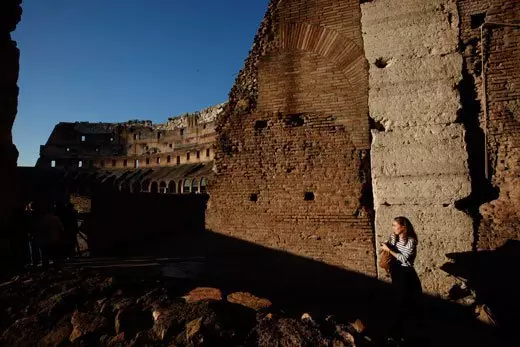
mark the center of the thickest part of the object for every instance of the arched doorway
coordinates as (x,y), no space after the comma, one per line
(154,187)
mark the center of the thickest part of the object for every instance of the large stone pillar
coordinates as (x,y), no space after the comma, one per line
(10,13)
(419,157)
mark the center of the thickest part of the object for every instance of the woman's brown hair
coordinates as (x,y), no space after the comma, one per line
(410,231)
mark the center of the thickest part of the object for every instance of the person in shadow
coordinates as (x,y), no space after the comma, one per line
(48,234)
(402,247)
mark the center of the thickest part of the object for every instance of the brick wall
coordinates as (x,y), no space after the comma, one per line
(292,155)
(501,216)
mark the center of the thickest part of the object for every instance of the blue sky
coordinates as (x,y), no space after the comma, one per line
(115,60)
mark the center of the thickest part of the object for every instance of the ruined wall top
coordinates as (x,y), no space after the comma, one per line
(207,115)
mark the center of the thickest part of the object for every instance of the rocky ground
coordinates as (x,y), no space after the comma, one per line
(84,307)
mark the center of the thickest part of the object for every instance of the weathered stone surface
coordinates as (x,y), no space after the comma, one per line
(85,323)
(420,151)
(409,27)
(193,332)
(440,230)
(203,293)
(431,189)
(249,300)
(420,162)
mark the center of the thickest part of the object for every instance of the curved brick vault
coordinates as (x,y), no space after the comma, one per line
(328,43)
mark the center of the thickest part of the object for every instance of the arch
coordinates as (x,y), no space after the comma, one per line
(186,189)
(203,185)
(345,53)
(136,187)
(124,187)
(163,188)
(179,187)
(172,187)
(154,187)
(145,185)
(195,186)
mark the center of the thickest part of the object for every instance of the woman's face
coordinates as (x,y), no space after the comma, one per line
(398,228)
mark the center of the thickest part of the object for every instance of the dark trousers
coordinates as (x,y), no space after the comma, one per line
(407,300)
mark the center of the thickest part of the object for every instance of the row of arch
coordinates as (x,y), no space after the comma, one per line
(183,186)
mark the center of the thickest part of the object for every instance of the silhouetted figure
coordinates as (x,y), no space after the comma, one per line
(69,218)
(19,236)
(48,233)
(402,246)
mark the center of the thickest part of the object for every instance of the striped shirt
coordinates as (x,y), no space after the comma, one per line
(406,250)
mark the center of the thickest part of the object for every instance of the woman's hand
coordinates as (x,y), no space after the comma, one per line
(384,247)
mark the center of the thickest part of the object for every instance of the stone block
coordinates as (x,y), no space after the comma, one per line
(410,92)
(433,189)
(394,28)
(419,151)
(431,102)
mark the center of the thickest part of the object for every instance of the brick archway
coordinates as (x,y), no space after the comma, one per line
(327,43)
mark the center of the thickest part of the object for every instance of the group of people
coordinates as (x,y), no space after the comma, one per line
(51,232)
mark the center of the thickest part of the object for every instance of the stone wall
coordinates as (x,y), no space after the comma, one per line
(292,164)
(419,161)
(10,13)
(498,105)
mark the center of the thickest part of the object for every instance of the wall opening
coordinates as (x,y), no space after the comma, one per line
(198,154)
(207,152)
(260,124)
(308,196)
(381,62)
(80,163)
(179,187)
(136,163)
(477,20)
(178,160)
(188,156)
(113,163)
(136,187)
(158,160)
(154,188)
(187,186)
(125,163)
(162,188)
(294,120)
(147,161)
(83,138)
(169,159)
(53,163)
(195,186)
(253,197)
(203,185)
(172,187)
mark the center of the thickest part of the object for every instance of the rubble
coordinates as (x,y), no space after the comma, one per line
(76,307)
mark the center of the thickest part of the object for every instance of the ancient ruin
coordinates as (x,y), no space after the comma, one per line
(346,114)
(174,157)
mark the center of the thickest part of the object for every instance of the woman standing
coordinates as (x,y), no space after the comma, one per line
(402,246)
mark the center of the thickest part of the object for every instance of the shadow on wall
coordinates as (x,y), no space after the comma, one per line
(494,276)
(173,225)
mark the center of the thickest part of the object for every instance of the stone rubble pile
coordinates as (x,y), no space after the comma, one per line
(83,308)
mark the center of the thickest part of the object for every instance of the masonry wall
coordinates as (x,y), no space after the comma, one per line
(10,13)
(498,107)
(419,156)
(292,161)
